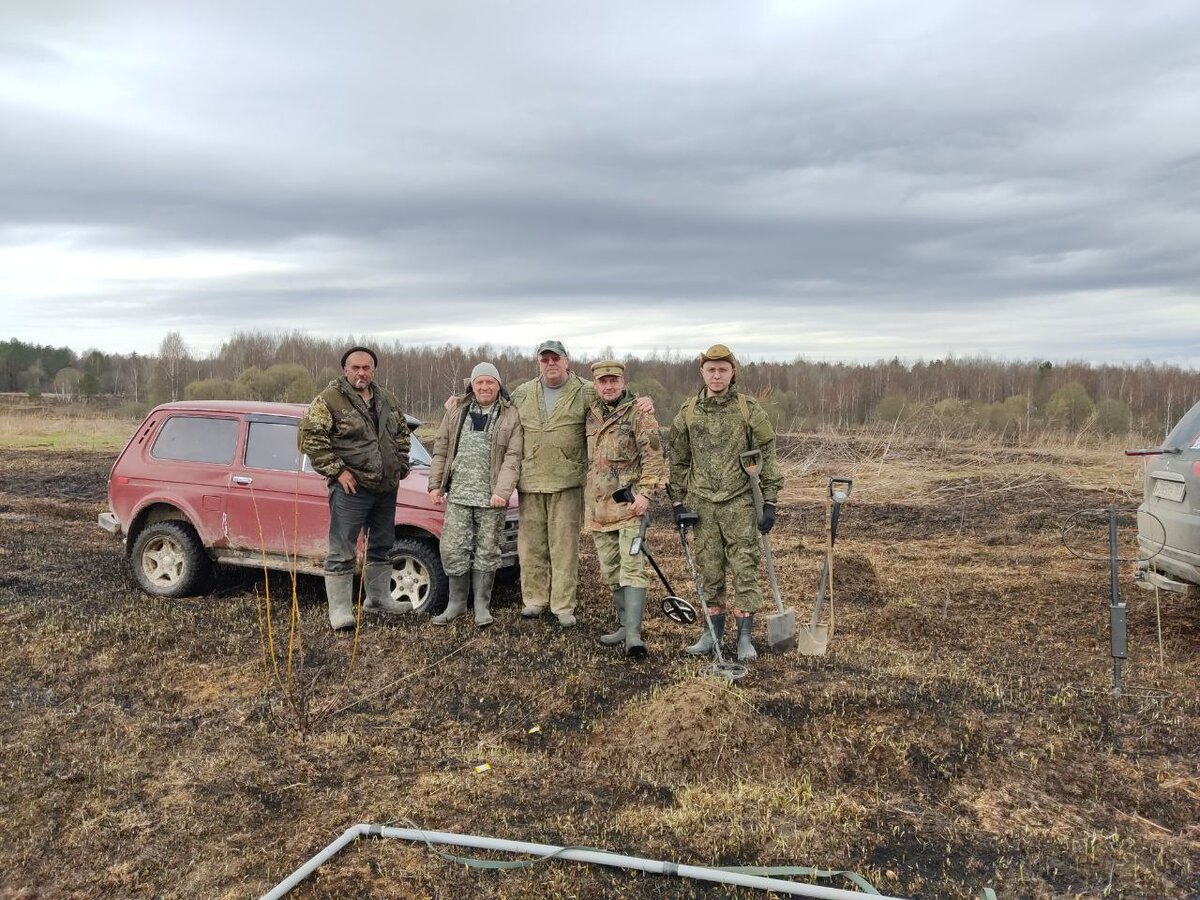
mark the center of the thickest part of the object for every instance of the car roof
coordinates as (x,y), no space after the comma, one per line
(259,407)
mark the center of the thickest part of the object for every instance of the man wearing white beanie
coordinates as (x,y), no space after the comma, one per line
(476,464)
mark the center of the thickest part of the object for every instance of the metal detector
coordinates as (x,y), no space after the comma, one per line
(673,606)
(727,670)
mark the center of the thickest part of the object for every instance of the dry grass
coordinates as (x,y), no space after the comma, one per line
(959,734)
(46,428)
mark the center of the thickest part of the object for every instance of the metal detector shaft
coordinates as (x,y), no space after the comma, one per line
(708,624)
(658,571)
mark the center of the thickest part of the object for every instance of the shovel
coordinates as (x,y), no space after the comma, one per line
(781,624)
(814,637)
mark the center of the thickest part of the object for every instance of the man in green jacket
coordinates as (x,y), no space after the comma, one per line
(355,435)
(626,460)
(711,430)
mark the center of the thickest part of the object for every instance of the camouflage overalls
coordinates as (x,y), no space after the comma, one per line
(625,450)
(706,438)
(473,529)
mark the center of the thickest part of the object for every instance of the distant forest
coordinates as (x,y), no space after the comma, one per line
(1007,397)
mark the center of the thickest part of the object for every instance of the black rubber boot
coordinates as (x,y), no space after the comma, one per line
(616,637)
(704,646)
(460,586)
(745,649)
(635,607)
(481,587)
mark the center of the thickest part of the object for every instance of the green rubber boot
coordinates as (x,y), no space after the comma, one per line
(339,589)
(745,649)
(704,646)
(616,637)
(635,607)
(460,586)
(379,591)
(481,587)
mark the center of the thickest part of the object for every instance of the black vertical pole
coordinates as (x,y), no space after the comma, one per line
(1118,612)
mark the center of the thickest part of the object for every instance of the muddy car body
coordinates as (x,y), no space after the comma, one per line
(1169,516)
(203,482)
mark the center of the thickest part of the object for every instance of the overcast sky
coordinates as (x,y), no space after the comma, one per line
(835,179)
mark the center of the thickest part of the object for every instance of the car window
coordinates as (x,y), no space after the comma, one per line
(417,454)
(196,439)
(1186,435)
(270,445)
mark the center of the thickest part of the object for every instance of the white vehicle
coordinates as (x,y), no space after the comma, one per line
(1169,517)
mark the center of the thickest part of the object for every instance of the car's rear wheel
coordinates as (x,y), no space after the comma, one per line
(169,560)
(417,575)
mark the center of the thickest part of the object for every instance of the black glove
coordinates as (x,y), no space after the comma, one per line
(767,522)
(624,495)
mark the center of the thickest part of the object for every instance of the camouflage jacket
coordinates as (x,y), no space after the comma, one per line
(706,441)
(555,456)
(624,450)
(507,445)
(338,432)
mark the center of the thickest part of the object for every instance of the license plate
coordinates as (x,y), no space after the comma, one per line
(1169,490)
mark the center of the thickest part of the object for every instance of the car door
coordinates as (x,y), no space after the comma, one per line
(276,502)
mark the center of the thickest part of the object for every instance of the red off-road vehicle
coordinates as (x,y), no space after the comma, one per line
(222,481)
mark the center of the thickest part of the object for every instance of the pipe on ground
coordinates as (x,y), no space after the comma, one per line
(574,854)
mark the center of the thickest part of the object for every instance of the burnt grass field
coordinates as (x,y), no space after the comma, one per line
(960,733)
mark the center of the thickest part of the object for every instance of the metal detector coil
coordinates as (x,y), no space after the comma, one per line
(679,610)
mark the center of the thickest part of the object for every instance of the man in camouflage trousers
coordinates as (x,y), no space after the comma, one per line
(710,431)
(476,461)
(625,454)
(356,436)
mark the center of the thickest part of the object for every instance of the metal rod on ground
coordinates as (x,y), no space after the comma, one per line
(573,854)
(1118,612)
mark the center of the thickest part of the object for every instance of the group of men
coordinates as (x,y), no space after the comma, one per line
(580,454)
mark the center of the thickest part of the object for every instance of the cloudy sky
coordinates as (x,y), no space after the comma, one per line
(838,179)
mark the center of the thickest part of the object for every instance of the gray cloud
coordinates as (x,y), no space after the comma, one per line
(847,180)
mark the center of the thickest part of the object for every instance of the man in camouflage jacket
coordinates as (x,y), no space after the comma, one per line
(625,454)
(355,435)
(710,431)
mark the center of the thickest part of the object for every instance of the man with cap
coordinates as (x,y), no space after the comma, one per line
(626,467)
(355,435)
(553,469)
(712,428)
(476,463)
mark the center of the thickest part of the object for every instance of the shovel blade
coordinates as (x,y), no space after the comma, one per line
(781,631)
(813,640)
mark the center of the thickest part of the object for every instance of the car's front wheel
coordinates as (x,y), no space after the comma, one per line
(417,575)
(169,560)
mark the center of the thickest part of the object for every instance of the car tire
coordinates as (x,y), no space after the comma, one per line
(169,560)
(417,575)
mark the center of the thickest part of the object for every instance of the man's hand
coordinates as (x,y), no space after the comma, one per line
(644,404)
(437,497)
(348,482)
(640,504)
(767,522)
(450,403)
(498,501)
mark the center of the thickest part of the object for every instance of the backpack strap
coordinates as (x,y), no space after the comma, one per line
(689,414)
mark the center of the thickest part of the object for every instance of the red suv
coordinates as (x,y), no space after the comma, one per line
(222,481)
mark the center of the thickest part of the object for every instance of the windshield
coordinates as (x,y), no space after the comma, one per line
(417,454)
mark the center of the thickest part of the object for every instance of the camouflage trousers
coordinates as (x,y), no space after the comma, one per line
(548,548)
(617,567)
(471,537)
(727,539)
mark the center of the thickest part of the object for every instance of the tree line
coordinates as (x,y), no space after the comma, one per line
(1007,397)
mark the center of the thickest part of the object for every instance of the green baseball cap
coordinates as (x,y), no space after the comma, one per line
(551,347)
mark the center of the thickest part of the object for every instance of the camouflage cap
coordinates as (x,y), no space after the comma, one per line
(608,367)
(551,347)
(718,352)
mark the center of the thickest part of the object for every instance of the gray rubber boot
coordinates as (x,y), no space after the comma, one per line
(704,646)
(379,591)
(616,637)
(635,607)
(481,587)
(460,586)
(339,590)
(745,649)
